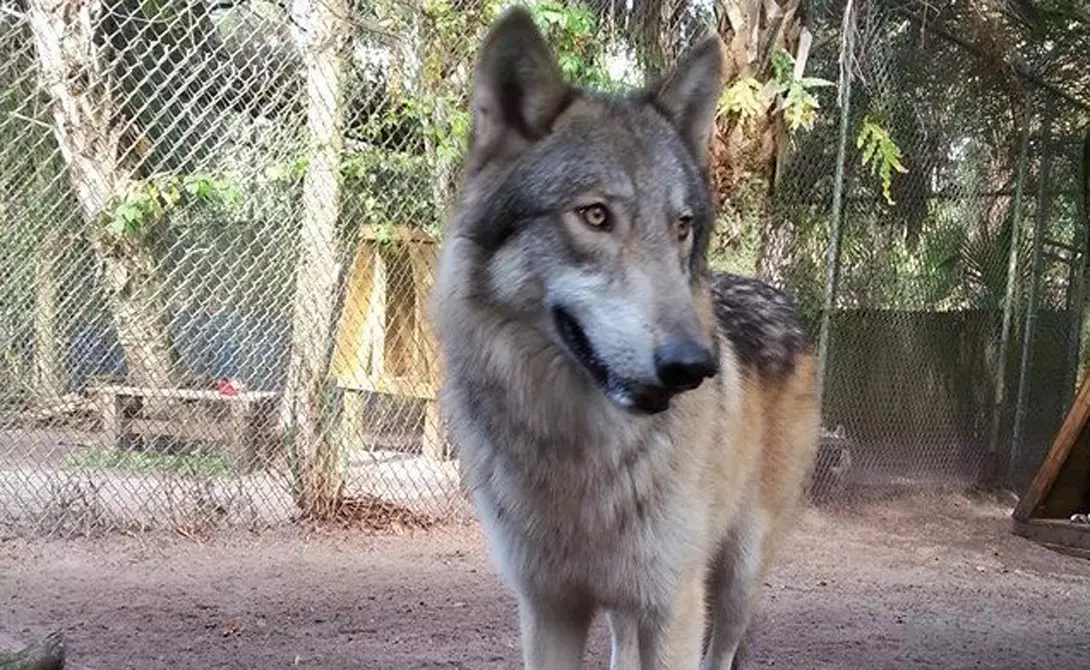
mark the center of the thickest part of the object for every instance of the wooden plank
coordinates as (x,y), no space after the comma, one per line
(399,233)
(1057,455)
(359,294)
(1070,490)
(185,394)
(1055,533)
(401,297)
(383,340)
(242,421)
(205,430)
(241,443)
(406,387)
(426,364)
(109,404)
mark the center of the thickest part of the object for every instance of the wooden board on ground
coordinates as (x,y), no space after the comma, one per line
(242,421)
(1049,511)
(1064,536)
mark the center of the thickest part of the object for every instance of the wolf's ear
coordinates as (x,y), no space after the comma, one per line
(689,94)
(517,92)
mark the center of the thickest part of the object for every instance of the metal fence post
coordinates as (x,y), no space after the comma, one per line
(1077,282)
(1008,299)
(1040,220)
(832,263)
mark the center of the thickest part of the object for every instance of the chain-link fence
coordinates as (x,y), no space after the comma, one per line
(220,226)
(939,273)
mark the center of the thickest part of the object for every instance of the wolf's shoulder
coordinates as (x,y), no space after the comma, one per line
(760,322)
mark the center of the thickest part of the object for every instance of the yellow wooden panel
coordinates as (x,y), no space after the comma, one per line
(357,312)
(383,342)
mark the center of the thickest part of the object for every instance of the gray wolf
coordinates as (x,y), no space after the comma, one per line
(634,431)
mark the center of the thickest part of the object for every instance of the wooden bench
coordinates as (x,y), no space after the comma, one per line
(242,421)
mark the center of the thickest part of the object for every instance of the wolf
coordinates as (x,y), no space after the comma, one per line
(634,430)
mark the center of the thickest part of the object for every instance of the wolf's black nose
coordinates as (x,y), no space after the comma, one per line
(682,365)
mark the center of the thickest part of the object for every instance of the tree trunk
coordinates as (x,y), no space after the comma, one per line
(138,303)
(315,455)
(752,152)
(74,72)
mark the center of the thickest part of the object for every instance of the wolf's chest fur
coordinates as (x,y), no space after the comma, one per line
(578,513)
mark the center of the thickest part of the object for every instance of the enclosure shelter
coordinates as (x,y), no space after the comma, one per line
(384,342)
(1053,511)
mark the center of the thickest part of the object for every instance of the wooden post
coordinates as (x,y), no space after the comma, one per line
(240,437)
(434,442)
(351,426)
(1040,224)
(114,422)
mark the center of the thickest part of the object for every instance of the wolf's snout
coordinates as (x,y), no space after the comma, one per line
(682,365)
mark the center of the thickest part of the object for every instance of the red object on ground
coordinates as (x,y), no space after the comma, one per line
(226,387)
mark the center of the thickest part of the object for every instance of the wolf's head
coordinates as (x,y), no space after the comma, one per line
(588,215)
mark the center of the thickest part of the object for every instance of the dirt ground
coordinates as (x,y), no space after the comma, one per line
(924,582)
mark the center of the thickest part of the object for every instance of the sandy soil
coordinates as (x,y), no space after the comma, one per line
(925,582)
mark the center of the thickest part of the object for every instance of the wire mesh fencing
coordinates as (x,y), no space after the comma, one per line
(955,308)
(221,224)
(224,223)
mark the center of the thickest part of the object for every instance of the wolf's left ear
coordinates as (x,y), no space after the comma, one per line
(689,94)
(518,90)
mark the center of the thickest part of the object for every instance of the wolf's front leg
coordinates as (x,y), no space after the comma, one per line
(553,636)
(624,651)
(635,642)
(669,641)
(734,586)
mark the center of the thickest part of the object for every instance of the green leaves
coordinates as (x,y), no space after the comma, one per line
(748,98)
(147,203)
(880,153)
(799,104)
(744,98)
(783,67)
(287,172)
(207,189)
(573,30)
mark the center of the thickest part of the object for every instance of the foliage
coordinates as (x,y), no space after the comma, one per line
(744,98)
(384,189)
(198,465)
(572,29)
(290,172)
(747,98)
(798,102)
(148,203)
(439,104)
(735,242)
(444,119)
(880,153)
(425,125)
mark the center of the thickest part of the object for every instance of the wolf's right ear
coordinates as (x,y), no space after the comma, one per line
(518,90)
(689,94)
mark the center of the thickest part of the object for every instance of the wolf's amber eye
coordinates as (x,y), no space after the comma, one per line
(595,216)
(684,226)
